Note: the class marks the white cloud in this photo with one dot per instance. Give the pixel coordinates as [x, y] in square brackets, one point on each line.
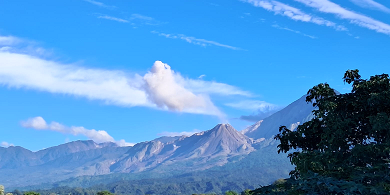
[15, 44]
[9, 40]
[195, 41]
[35, 123]
[210, 87]
[371, 4]
[253, 105]
[98, 136]
[100, 4]
[261, 109]
[202, 76]
[294, 31]
[113, 87]
[6, 144]
[163, 89]
[123, 143]
[113, 18]
[171, 91]
[326, 6]
[135, 19]
[173, 134]
[293, 13]
[141, 17]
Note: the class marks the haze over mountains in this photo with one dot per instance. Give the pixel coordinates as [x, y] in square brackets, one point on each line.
[222, 149]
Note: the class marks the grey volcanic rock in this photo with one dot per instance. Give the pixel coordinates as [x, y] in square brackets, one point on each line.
[221, 141]
[52, 153]
[179, 154]
[167, 139]
[291, 116]
[142, 156]
[165, 155]
[24, 167]
[15, 157]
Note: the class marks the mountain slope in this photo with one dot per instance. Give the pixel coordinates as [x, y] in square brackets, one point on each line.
[222, 151]
[260, 167]
[177, 155]
[222, 141]
[23, 167]
[291, 116]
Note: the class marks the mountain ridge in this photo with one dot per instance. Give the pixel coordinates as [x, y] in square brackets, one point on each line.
[221, 146]
[291, 116]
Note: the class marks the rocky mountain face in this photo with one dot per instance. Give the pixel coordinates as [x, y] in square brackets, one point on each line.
[16, 157]
[291, 116]
[223, 141]
[88, 158]
[221, 146]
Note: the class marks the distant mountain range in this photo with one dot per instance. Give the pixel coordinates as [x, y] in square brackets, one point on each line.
[221, 150]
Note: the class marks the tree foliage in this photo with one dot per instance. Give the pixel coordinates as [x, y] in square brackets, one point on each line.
[104, 193]
[345, 148]
[31, 193]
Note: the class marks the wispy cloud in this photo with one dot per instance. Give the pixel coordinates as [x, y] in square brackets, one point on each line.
[293, 13]
[371, 4]
[100, 4]
[294, 31]
[6, 144]
[135, 19]
[211, 87]
[202, 76]
[9, 40]
[98, 136]
[253, 105]
[260, 109]
[19, 45]
[141, 17]
[173, 134]
[160, 88]
[145, 20]
[113, 87]
[113, 19]
[195, 41]
[326, 6]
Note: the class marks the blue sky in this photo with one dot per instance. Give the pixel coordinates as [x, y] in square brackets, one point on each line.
[130, 71]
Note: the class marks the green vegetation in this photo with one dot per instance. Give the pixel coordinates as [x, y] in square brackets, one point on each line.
[345, 148]
[262, 166]
[104, 193]
[31, 193]
[2, 191]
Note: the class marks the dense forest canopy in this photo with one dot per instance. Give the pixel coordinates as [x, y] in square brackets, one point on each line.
[345, 148]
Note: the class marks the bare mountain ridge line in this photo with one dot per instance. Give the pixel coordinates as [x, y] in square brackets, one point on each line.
[291, 116]
[222, 140]
[88, 158]
[216, 147]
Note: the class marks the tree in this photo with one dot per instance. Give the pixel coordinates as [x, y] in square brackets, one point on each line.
[246, 192]
[231, 193]
[345, 148]
[104, 193]
[31, 193]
